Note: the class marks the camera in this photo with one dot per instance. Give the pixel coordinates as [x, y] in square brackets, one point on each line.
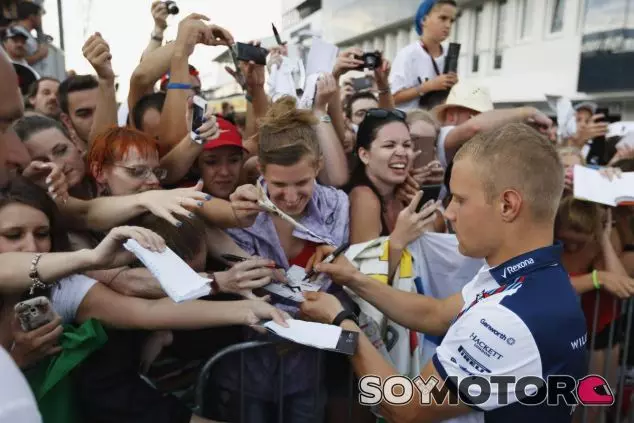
[250, 53]
[172, 8]
[370, 60]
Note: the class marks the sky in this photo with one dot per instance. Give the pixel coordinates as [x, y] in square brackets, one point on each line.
[127, 24]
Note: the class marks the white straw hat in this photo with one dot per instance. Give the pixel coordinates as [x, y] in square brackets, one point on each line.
[468, 95]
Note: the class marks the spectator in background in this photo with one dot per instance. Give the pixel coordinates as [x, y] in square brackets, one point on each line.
[14, 44]
[465, 101]
[221, 161]
[42, 96]
[229, 112]
[357, 106]
[146, 114]
[77, 96]
[8, 13]
[418, 66]
[30, 18]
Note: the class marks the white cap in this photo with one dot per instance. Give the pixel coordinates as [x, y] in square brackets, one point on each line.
[468, 95]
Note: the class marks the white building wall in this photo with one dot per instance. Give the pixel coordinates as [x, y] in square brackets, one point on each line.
[538, 63]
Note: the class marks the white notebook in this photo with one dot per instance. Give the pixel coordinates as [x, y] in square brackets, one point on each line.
[312, 334]
[590, 185]
[179, 281]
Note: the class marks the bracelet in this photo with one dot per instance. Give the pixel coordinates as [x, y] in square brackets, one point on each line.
[325, 118]
[36, 282]
[387, 90]
[345, 315]
[595, 279]
[178, 86]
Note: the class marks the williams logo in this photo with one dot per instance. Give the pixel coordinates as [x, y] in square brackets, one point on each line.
[509, 270]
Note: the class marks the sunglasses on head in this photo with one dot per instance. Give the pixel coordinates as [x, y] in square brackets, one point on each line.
[385, 113]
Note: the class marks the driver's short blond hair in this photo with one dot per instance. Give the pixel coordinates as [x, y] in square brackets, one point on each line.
[516, 156]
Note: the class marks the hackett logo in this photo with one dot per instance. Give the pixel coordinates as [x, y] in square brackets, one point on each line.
[509, 270]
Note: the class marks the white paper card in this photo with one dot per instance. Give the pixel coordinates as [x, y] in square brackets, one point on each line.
[178, 280]
[293, 290]
[311, 334]
[321, 57]
[590, 185]
[619, 129]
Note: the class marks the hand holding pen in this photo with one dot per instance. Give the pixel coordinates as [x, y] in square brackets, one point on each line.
[331, 255]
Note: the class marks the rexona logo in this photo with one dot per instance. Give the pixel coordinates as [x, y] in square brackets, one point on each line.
[509, 270]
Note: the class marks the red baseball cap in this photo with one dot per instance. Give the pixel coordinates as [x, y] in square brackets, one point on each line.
[229, 136]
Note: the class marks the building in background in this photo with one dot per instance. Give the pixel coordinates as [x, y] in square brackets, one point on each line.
[520, 49]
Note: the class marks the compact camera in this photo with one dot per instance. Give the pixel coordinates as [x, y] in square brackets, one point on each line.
[172, 8]
[371, 61]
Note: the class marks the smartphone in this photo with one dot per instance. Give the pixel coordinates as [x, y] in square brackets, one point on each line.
[430, 192]
[198, 113]
[360, 84]
[34, 313]
[251, 53]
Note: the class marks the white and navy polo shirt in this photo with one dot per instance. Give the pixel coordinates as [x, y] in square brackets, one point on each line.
[521, 318]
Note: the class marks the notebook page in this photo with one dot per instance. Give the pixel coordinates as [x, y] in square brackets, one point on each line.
[178, 280]
[590, 185]
[311, 334]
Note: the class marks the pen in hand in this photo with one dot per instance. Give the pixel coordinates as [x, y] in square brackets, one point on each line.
[237, 259]
[329, 259]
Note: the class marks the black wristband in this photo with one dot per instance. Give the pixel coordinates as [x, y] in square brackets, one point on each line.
[345, 315]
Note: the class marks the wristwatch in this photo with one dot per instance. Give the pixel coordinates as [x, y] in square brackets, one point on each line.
[345, 315]
[215, 288]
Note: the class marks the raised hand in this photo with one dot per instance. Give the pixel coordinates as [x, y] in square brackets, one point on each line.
[180, 201]
[97, 51]
[347, 62]
[31, 347]
[110, 252]
[159, 14]
[326, 89]
[411, 225]
[49, 176]
[244, 202]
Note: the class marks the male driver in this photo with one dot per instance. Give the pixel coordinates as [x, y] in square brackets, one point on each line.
[519, 316]
[78, 96]
[42, 96]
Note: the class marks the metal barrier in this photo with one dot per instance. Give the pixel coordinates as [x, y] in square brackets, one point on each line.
[621, 328]
[206, 373]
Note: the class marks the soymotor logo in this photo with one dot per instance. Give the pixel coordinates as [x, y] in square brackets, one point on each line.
[514, 268]
[560, 389]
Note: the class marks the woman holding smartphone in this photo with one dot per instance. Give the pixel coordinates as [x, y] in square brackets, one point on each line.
[417, 68]
[385, 154]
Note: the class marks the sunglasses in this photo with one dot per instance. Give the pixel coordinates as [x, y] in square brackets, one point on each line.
[385, 113]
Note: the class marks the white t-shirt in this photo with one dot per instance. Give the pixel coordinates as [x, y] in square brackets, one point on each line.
[413, 66]
[440, 147]
[67, 295]
[17, 402]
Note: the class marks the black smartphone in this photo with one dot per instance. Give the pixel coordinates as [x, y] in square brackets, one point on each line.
[251, 53]
[360, 84]
[430, 192]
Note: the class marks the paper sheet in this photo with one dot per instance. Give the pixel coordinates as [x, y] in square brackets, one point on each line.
[321, 57]
[311, 334]
[590, 185]
[293, 291]
[178, 280]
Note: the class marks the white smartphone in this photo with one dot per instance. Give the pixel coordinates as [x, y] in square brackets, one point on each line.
[198, 113]
[34, 313]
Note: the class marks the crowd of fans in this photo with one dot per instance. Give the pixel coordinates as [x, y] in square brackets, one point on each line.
[350, 169]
